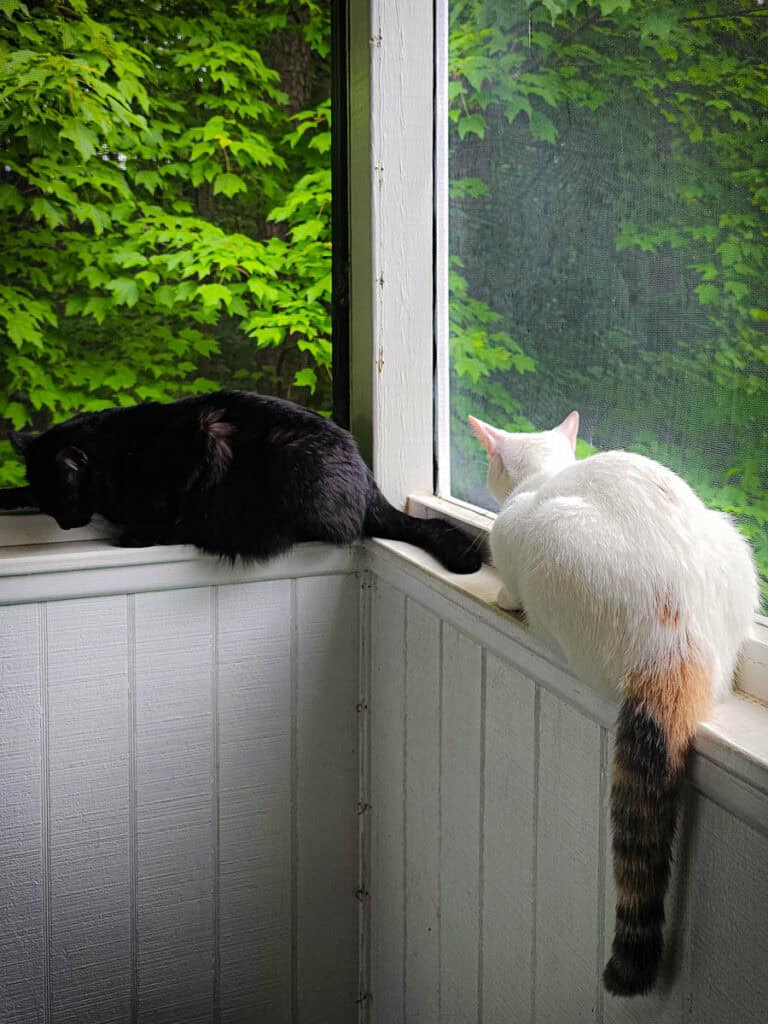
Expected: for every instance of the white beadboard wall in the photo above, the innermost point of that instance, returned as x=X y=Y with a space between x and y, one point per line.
x=330 y=791
x=178 y=802
x=490 y=877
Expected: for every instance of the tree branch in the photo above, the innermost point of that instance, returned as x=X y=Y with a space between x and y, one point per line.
x=747 y=12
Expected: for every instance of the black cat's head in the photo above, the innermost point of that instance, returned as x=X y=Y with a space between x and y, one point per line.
x=58 y=474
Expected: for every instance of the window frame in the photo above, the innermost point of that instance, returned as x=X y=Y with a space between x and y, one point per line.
x=394 y=113
x=391 y=192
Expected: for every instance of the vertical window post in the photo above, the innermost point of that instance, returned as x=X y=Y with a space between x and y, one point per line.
x=392 y=289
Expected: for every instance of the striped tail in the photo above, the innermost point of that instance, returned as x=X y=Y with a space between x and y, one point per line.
x=655 y=730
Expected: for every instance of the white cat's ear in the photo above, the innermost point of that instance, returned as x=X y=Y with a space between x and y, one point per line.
x=487 y=435
x=570 y=427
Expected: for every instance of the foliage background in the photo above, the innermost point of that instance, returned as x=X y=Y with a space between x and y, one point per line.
x=165 y=219
x=608 y=225
x=165 y=202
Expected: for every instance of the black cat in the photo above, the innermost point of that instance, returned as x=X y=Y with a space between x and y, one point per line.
x=236 y=474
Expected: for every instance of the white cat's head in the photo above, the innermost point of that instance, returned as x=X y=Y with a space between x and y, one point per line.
x=513 y=458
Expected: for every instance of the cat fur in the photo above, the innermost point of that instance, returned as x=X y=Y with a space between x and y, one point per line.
x=619 y=566
x=236 y=474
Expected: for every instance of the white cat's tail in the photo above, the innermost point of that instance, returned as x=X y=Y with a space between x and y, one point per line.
x=655 y=730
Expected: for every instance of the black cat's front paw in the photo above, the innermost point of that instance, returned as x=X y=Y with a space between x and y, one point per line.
x=464 y=562
x=459 y=554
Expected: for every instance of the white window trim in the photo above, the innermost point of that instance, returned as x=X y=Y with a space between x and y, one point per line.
x=392 y=284
x=397 y=287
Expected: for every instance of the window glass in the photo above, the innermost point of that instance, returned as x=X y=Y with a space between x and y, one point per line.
x=608 y=220
x=164 y=204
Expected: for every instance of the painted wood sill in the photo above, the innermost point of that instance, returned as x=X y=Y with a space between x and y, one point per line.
x=732 y=748
x=90 y=568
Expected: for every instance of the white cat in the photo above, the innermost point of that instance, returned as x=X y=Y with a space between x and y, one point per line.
x=618 y=564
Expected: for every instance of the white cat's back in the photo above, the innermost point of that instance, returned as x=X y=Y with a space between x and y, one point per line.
x=617 y=563
x=617 y=560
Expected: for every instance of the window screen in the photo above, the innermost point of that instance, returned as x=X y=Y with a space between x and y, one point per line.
x=607 y=235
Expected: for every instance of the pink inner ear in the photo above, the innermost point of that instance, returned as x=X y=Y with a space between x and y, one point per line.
x=570 y=427
x=485 y=434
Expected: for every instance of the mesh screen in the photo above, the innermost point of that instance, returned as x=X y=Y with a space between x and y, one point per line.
x=608 y=218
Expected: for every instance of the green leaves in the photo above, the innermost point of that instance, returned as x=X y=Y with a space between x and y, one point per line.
x=125 y=291
x=85 y=140
x=306 y=378
x=473 y=124
x=135 y=201
x=214 y=295
x=708 y=294
x=228 y=185
x=541 y=127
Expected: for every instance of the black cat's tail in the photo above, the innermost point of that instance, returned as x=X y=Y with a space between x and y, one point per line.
x=457 y=552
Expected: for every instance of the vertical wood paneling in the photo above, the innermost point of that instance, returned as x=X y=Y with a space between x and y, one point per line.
x=568 y=851
x=174 y=808
x=254 y=687
x=422 y=814
x=460 y=786
x=387 y=710
x=728 y=941
x=88 y=743
x=509 y=843
x=488 y=829
x=21 y=864
x=326 y=859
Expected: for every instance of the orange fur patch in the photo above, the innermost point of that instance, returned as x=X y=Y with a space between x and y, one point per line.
x=677 y=699
x=666 y=613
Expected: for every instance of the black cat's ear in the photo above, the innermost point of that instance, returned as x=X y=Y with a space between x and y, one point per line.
x=21 y=441
x=72 y=459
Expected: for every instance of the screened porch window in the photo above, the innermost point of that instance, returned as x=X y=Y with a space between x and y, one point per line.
x=604 y=217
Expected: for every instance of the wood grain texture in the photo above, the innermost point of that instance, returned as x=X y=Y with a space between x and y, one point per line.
x=387 y=711
x=567 y=855
x=132 y=896
x=176 y=835
x=401 y=187
x=327 y=647
x=22 y=990
x=460 y=820
x=728 y=937
x=254 y=754
x=88 y=744
x=422 y=815
x=509 y=843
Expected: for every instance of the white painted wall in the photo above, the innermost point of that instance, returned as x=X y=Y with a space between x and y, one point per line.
x=183 y=832
x=490 y=872
x=178 y=798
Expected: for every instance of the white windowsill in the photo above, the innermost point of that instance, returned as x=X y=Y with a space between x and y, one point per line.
x=94 y=567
